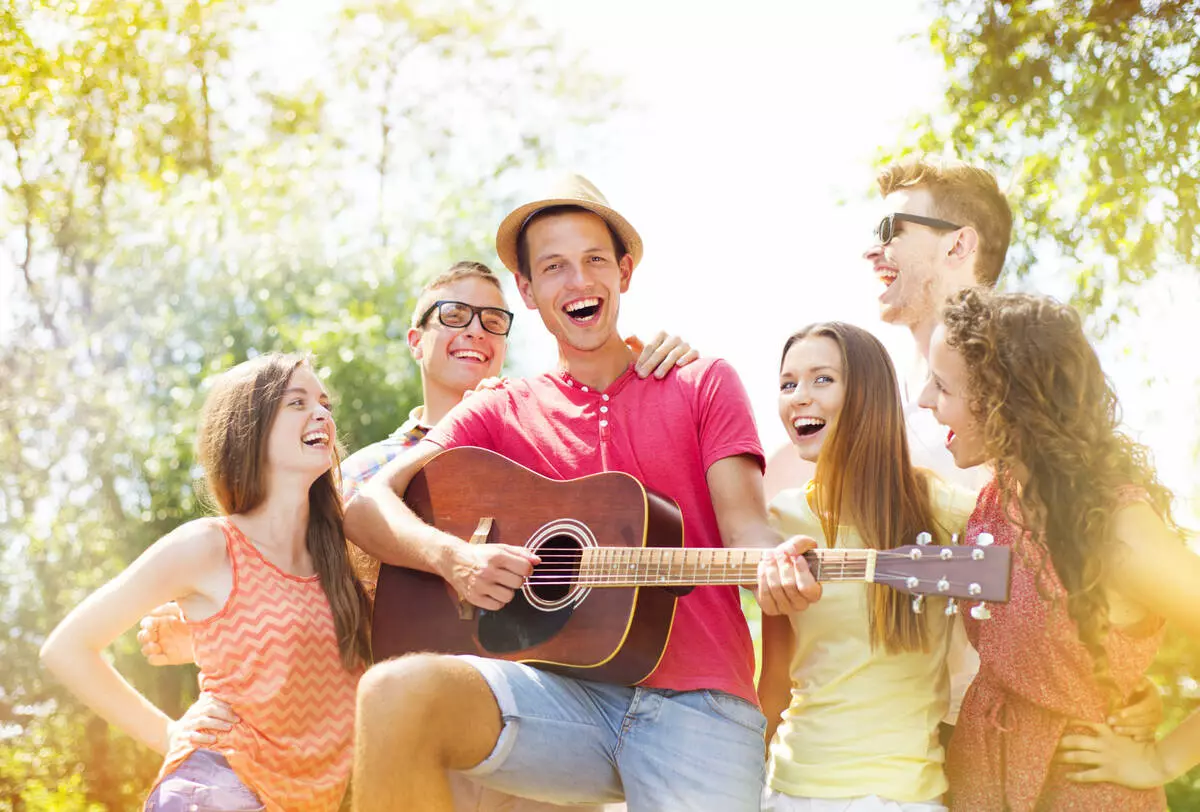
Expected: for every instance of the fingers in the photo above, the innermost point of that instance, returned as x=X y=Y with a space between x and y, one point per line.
x=1075 y=742
x=799 y=545
x=1089 y=776
x=166 y=610
x=498 y=573
x=1085 y=757
x=519 y=552
x=673 y=359
x=215 y=710
x=785 y=583
x=653 y=353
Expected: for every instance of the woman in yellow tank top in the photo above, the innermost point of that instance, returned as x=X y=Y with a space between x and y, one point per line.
x=854 y=688
x=278 y=619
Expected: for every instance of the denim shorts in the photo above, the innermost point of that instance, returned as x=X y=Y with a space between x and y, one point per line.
x=572 y=741
x=203 y=782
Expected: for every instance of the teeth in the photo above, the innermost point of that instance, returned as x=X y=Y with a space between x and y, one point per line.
x=315 y=436
x=886 y=275
x=802 y=422
x=581 y=304
x=478 y=356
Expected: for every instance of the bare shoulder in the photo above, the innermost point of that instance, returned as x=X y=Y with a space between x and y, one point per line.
x=1137 y=527
x=200 y=542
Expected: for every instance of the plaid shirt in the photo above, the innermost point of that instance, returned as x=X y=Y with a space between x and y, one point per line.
x=366 y=463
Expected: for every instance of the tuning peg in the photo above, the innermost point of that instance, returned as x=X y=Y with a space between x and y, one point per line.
x=980 y=612
x=985 y=540
x=943 y=585
x=924 y=538
x=954 y=538
x=918 y=605
x=951 y=607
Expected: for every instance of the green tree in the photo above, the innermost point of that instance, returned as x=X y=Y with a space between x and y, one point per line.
x=171 y=205
x=1093 y=108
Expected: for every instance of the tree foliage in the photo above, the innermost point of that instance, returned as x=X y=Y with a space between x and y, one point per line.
x=173 y=203
x=1093 y=110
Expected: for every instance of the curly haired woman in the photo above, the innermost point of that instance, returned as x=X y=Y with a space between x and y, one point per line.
x=1098 y=567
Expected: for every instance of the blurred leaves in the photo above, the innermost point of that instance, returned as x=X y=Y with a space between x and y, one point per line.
x=1092 y=109
x=172 y=202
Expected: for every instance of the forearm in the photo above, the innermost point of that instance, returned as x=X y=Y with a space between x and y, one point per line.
x=775 y=679
x=774 y=695
x=98 y=685
x=1179 y=750
x=379 y=522
x=751 y=532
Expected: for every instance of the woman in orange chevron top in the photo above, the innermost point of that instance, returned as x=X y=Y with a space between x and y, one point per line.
x=278 y=619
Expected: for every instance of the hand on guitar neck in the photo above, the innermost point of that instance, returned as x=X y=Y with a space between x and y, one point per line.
x=785 y=584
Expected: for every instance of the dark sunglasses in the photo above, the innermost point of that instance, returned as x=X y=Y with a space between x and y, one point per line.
x=459 y=314
x=887 y=226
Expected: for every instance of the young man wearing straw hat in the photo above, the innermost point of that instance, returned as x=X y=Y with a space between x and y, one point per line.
x=458 y=337
x=690 y=736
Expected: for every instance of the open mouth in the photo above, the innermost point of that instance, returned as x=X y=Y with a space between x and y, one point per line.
x=469 y=355
x=886 y=275
x=808 y=426
x=949 y=437
x=316 y=439
x=583 y=311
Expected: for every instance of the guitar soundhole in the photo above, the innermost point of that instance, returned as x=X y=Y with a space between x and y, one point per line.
x=554 y=579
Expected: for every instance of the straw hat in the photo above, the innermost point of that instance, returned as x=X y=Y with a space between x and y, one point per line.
x=568 y=190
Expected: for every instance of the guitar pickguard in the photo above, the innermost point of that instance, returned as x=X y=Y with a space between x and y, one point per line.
x=519 y=625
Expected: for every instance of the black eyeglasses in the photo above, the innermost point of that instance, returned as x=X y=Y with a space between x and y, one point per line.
x=887 y=226
x=459 y=314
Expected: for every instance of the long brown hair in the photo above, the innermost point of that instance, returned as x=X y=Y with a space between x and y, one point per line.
x=864 y=469
x=1050 y=415
x=235 y=426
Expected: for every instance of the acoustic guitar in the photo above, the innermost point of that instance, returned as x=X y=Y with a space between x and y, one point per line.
x=600 y=604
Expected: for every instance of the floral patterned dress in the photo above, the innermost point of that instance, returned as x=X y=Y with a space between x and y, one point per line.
x=1035 y=676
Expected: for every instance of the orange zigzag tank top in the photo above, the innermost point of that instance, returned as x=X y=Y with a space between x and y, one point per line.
x=271 y=653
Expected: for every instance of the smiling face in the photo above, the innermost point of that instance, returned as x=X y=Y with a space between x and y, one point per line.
x=946 y=394
x=455 y=359
x=303 y=435
x=812 y=390
x=576 y=278
x=913 y=267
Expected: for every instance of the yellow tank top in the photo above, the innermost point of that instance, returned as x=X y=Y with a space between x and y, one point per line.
x=861 y=722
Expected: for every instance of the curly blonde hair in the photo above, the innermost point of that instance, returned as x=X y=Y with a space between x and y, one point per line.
x=1050 y=421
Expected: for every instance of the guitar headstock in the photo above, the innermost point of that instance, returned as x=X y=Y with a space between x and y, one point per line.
x=978 y=572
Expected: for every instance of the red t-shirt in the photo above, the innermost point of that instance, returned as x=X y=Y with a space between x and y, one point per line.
x=666 y=434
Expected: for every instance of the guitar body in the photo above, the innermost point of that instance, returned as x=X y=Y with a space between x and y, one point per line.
x=614 y=635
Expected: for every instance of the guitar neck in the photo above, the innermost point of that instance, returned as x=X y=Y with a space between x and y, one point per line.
x=656 y=566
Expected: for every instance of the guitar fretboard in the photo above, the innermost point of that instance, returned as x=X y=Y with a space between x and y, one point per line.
x=653 y=566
